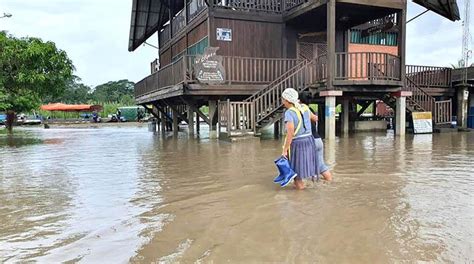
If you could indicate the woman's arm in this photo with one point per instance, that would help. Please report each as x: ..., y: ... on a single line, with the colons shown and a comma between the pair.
x: 290, y: 133
x: 314, y: 118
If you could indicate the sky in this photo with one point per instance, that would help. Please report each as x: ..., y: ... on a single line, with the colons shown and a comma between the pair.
x: 95, y: 35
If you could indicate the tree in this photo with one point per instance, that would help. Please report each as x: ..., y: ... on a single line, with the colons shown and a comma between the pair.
x: 30, y: 70
x: 114, y: 91
x: 74, y: 93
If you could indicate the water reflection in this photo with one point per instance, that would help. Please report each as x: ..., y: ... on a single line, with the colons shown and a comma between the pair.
x: 126, y: 195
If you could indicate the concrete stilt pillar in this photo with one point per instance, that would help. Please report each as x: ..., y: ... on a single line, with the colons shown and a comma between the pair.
x: 175, y: 122
x: 330, y: 114
x: 463, y: 103
x: 400, y: 112
x: 345, y: 117
x: 213, y: 119
x: 400, y: 116
x: 190, y: 121
x: 163, y: 123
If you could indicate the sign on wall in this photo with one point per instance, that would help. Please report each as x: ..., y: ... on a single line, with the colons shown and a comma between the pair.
x: 224, y: 34
x: 422, y: 122
x: 208, y: 67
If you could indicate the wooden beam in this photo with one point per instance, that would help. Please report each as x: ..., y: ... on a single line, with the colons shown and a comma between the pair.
x: 156, y: 113
x: 402, y: 36
x: 175, y: 110
x: 331, y: 42
x: 305, y: 8
x: 195, y: 109
x: 159, y: 107
x: 379, y: 3
x: 364, y: 107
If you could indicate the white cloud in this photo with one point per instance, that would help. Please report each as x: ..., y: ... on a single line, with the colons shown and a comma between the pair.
x: 95, y: 35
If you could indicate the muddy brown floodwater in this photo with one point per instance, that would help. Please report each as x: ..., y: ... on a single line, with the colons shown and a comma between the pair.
x: 118, y: 195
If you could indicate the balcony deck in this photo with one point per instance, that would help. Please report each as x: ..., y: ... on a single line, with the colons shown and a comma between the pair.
x: 363, y: 72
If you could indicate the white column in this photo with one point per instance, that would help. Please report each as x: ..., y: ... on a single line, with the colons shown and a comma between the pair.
x: 400, y: 116
x: 330, y: 114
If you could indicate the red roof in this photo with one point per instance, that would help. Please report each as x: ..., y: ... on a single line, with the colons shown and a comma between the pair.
x: 71, y: 108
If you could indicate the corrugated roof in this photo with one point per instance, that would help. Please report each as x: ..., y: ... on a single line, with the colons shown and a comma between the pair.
x: 446, y: 8
x: 148, y: 16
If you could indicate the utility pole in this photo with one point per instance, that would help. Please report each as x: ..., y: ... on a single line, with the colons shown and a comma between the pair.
x: 466, y: 36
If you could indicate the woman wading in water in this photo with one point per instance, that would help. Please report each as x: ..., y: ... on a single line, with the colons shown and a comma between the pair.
x: 299, y: 147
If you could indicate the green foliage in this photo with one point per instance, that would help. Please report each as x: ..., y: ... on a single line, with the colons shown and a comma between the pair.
x: 114, y: 91
x: 30, y: 71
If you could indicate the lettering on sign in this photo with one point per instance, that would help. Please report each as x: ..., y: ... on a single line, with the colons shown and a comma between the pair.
x: 422, y: 122
x: 208, y: 67
x: 377, y: 29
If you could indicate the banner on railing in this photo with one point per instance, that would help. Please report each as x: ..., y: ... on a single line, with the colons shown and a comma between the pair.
x: 422, y: 122
x: 208, y: 67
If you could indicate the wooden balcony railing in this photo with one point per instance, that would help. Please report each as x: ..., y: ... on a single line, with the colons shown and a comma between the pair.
x: 273, y: 6
x: 290, y: 4
x: 427, y: 76
x: 239, y: 70
x: 172, y: 74
x: 179, y: 22
x: 164, y: 35
x: 194, y: 8
x: 367, y: 66
x: 255, y: 70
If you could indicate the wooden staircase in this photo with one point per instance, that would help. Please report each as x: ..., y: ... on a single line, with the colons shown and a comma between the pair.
x: 421, y: 83
x: 264, y: 108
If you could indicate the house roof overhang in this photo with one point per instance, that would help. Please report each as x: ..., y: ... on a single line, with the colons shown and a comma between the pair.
x: 446, y: 8
x: 149, y: 16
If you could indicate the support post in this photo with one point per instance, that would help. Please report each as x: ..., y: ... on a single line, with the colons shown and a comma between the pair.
x: 330, y: 113
x: 345, y: 117
x: 276, y: 129
x: 175, y: 122
x: 198, y: 126
x: 400, y: 116
x: 213, y: 119
x: 321, y: 120
x: 463, y: 103
x: 163, y: 123
x: 190, y: 121
x: 401, y: 24
x: 331, y: 43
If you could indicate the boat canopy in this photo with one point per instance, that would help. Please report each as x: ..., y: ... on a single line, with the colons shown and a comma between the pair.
x: 71, y: 108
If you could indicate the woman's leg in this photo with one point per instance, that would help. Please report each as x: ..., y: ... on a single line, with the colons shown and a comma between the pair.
x: 299, y: 184
x: 323, y: 168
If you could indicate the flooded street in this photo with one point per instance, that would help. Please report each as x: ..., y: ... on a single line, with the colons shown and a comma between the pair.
x: 118, y: 195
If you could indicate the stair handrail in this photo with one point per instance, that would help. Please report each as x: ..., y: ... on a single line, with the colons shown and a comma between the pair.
x: 275, y: 108
x: 277, y: 80
x: 414, y: 87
